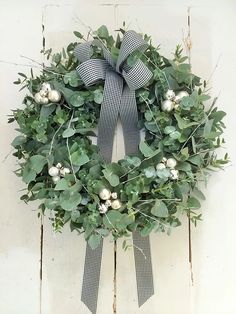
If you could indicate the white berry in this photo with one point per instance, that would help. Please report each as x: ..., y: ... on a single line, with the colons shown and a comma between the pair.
x: 114, y: 195
x: 64, y: 171
x: 116, y: 204
x: 170, y: 94
x: 103, y: 208
x: 53, y: 171
x: 167, y: 105
x: 174, y: 174
x: 105, y: 194
x: 171, y: 163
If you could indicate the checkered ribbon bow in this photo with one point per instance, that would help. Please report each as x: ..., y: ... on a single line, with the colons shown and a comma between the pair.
x: 121, y: 81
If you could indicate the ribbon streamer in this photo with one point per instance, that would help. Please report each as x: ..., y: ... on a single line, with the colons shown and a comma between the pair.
x: 121, y: 81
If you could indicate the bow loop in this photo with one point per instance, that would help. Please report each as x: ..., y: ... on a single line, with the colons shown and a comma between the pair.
x: 83, y: 52
x: 130, y: 43
x: 137, y: 76
x: 97, y: 73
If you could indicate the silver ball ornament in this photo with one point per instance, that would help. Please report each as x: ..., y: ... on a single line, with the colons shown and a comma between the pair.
x: 180, y: 96
x: 174, y: 174
x: 40, y: 100
x: 55, y: 179
x: 116, y: 204
x: 54, y: 95
x: 105, y: 194
x: 171, y: 163
x: 59, y: 165
x: 53, y: 171
x: 167, y: 105
x: 160, y: 166
x: 170, y: 94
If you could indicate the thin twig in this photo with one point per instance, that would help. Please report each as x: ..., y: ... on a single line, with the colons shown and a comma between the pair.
x: 53, y: 139
x: 68, y: 149
x: 215, y: 68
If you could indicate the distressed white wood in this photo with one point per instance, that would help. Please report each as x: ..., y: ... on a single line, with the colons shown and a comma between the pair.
x: 214, y: 257
x: 19, y: 226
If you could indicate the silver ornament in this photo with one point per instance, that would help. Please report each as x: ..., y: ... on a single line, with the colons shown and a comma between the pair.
x: 171, y: 163
x: 180, y: 96
x: 114, y: 195
x: 64, y: 171
x: 59, y: 165
x: 174, y: 174
x: 55, y: 179
x: 170, y: 94
x: 40, y: 100
x: 54, y: 95
x: 116, y: 204
x: 53, y: 171
x: 103, y: 208
x: 160, y: 166
x: 104, y: 194
x: 167, y: 105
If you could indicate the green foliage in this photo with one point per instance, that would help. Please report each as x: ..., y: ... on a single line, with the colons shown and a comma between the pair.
x: 62, y: 133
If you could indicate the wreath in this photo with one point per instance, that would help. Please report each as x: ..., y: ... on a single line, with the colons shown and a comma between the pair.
x: 88, y: 85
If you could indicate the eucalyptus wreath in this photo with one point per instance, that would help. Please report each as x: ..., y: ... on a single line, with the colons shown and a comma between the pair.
x: 146, y: 192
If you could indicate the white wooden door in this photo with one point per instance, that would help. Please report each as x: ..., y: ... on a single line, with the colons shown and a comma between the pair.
x: 194, y: 269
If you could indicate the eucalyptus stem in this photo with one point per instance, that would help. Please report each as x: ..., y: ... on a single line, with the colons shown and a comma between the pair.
x: 153, y: 218
x: 53, y: 139
x: 160, y: 199
x: 128, y: 172
x: 68, y: 148
x: 152, y: 116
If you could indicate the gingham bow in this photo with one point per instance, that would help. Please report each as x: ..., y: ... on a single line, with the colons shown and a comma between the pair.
x: 121, y: 81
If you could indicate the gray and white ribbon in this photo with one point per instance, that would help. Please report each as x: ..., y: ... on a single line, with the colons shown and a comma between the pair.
x: 121, y: 81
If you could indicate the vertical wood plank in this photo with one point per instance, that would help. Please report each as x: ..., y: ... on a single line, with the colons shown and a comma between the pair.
x: 213, y: 34
x: 64, y: 254
x: 19, y: 225
x: 164, y: 22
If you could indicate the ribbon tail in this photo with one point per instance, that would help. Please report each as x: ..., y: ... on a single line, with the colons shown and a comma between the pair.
x: 92, y: 267
x: 143, y: 266
x: 129, y: 120
x: 109, y: 113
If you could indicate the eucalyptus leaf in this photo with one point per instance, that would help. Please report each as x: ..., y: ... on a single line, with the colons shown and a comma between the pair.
x: 68, y: 132
x: 160, y: 209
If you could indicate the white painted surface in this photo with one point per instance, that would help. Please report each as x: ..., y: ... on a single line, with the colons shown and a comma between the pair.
x: 213, y: 27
